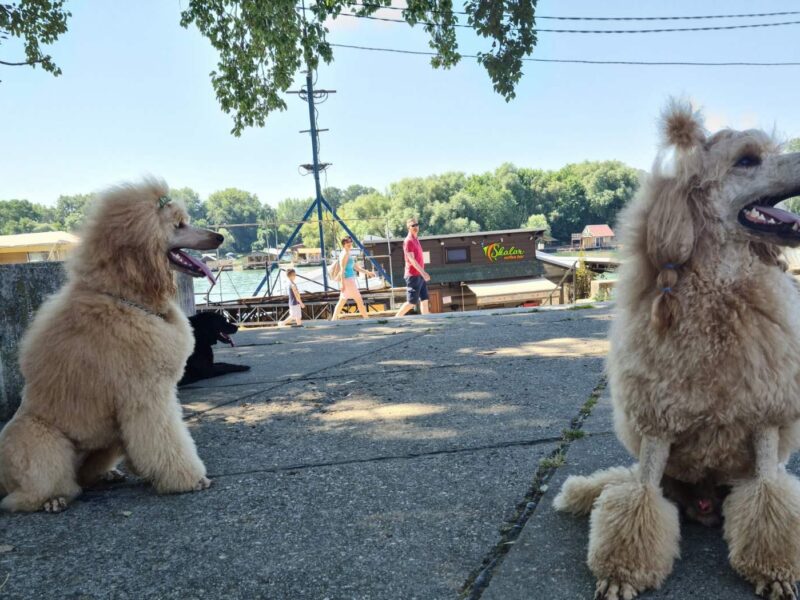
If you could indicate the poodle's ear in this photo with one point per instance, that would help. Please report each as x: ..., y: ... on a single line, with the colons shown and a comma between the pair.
x: 677, y: 193
x: 681, y: 127
x: 671, y: 237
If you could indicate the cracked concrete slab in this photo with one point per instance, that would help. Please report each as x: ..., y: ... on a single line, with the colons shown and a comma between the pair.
x: 548, y: 559
x: 385, y: 529
x: 346, y: 466
x: 398, y: 413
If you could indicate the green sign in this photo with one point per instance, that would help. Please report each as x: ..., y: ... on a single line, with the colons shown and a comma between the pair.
x: 496, y: 251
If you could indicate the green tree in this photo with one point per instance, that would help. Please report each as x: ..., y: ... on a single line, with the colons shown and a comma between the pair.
x: 537, y: 222
x: 331, y: 229
x: 288, y: 213
x: 35, y: 22
x: 263, y: 45
x: 194, y: 206
x: 581, y: 194
x: 491, y: 204
x: 22, y: 216
x: 583, y: 281
x: 792, y: 145
x: 233, y: 206
x: 71, y: 210
x: 228, y: 244
x: 791, y: 204
x: 367, y: 214
x: 337, y: 196
x: 418, y: 196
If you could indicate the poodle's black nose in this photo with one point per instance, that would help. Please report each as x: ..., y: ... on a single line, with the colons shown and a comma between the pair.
x: 219, y: 238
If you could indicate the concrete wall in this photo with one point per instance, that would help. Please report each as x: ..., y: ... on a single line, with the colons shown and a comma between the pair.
x: 23, y: 288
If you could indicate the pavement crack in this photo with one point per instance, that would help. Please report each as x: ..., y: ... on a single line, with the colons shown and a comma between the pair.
x: 388, y: 457
x: 479, y: 579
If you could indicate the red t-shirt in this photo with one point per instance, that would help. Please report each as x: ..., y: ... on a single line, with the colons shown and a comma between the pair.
x: 412, y: 245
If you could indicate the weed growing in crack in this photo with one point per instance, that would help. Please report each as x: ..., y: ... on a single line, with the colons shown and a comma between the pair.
x: 570, y: 435
x: 553, y: 462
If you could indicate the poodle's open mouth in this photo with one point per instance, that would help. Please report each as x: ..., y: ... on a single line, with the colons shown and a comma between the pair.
x: 188, y: 264
x: 224, y: 337
x: 763, y: 217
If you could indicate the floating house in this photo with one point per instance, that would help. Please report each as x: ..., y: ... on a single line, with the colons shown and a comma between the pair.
x: 594, y: 236
x: 478, y: 270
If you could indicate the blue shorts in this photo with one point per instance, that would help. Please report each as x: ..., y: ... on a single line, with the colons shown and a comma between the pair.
x: 416, y: 289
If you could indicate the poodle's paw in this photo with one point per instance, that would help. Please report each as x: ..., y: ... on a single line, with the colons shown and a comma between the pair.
x: 114, y: 476
x: 55, y: 505
x: 612, y: 589
x: 203, y: 484
x: 777, y: 590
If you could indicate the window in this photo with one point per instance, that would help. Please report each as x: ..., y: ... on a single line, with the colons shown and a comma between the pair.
x: 456, y: 255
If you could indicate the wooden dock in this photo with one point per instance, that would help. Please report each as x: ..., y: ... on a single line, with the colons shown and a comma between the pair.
x: 266, y: 311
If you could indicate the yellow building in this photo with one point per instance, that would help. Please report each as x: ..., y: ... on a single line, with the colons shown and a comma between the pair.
x: 36, y: 247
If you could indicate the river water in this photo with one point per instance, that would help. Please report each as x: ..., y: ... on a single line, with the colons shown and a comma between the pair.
x: 237, y: 284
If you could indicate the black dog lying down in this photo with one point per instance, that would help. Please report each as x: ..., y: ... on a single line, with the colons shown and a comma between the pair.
x: 208, y: 329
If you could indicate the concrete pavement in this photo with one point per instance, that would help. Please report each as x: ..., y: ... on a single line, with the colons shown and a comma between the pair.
x: 415, y: 458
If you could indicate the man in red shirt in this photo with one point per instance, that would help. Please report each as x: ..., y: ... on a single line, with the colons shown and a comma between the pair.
x: 415, y: 274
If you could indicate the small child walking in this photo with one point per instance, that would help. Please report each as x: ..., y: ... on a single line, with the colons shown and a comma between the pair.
x: 296, y: 305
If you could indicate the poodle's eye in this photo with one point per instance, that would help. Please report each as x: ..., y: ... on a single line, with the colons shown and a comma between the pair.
x: 748, y: 160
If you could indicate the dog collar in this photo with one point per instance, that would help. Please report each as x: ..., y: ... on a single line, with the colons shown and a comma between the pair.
x: 132, y: 304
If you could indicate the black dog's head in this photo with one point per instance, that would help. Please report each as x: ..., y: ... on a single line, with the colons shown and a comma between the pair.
x: 210, y: 327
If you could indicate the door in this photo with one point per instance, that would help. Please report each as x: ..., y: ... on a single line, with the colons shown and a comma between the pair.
x: 435, y: 301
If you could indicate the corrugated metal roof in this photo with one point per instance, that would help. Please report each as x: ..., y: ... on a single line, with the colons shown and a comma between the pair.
x: 511, y: 291
x: 566, y: 262
x: 466, y: 234
x: 38, y: 239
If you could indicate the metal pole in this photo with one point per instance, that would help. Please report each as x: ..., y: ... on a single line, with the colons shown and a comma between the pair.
x: 574, y: 288
x: 286, y: 246
x: 356, y: 241
x: 389, y: 253
x: 313, y: 119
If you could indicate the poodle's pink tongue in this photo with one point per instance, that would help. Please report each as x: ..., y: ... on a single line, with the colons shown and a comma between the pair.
x: 784, y: 216
x: 197, y: 264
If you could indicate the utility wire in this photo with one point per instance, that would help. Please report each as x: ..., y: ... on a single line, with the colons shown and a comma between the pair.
x: 560, y: 18
x: 591, y: 62
x: 604, y: 31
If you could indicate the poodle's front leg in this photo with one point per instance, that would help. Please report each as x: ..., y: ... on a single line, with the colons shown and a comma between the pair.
x: 160, y: 448
x: 762, y: 521
x: 633, y: 540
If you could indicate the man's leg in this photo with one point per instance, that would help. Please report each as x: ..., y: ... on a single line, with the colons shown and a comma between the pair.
x: 407, y: 306
x: 412, y: 296
x: 423, y: 297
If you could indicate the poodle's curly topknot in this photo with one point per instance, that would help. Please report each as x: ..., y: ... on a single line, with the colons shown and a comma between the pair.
x: 681, y: 126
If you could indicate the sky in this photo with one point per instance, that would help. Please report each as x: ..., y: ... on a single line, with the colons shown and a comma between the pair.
x: 135, y: 99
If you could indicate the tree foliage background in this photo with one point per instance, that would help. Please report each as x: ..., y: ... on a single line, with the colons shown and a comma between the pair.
x: 562, y: 201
